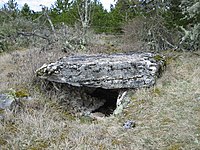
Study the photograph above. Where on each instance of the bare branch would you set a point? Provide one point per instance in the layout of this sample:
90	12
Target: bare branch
33	34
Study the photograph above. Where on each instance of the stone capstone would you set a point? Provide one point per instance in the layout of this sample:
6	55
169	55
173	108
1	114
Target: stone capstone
117	71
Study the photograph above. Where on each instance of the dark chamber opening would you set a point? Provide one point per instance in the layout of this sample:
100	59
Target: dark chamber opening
68	93
111	99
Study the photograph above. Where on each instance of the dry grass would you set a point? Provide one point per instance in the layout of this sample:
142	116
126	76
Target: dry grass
18	67
167	116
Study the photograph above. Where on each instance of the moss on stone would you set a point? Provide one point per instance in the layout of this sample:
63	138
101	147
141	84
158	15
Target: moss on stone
21	93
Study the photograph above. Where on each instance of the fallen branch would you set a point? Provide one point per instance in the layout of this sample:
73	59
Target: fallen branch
34	34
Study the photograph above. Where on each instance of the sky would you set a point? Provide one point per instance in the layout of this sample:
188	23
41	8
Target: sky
35	4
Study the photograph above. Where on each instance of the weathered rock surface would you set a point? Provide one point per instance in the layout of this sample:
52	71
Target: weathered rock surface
117	71
5	101
98	83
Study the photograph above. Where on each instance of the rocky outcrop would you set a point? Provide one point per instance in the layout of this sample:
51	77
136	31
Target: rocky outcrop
118	71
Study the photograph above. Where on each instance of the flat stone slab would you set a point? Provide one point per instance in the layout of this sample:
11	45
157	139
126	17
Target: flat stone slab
116	71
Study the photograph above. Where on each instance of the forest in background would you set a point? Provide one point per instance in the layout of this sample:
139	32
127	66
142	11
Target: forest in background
157	24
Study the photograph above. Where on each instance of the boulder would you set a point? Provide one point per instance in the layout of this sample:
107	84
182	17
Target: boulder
117	71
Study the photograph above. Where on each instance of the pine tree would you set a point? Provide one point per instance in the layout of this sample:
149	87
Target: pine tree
25	11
